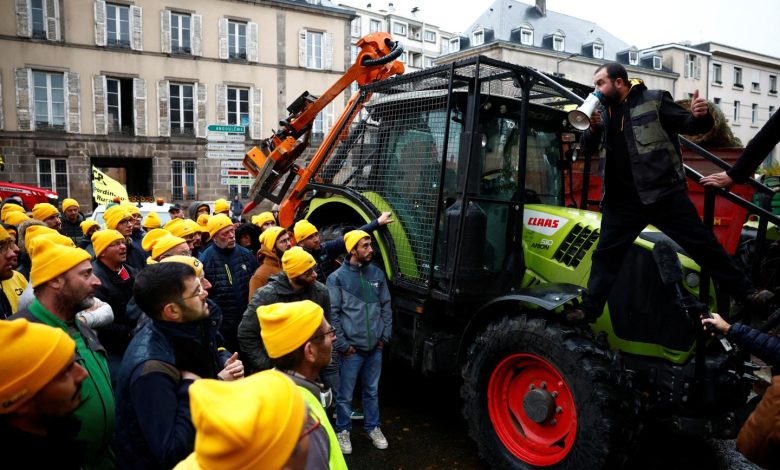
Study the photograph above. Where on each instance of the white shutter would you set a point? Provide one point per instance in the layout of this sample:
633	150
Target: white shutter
165	27
697	72
164	115
256	107
72	85
327	51
100	104
253	34
24	18
139	106
328	117
201	96
100	23
53	20
302	47
196	34
221	94
136	28
223	38
24	100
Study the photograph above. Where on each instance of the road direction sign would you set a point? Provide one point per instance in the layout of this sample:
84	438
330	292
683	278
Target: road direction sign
231	164
235	173
221	128
230	147
224	154
241	181
224	137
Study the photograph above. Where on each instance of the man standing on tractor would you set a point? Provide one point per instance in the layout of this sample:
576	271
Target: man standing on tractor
644	183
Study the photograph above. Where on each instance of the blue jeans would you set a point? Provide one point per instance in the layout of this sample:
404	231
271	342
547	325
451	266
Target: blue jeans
367	366
329	376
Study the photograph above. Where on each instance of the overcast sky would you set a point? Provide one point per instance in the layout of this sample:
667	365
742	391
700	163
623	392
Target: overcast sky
746	24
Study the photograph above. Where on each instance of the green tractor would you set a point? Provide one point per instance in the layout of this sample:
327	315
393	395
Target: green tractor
472	159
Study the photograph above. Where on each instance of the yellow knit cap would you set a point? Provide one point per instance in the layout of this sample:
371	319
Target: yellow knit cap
131	208
351	238
303	229
203	221
88	224
218	222
188	260
102	239
297	261
263	218
152	220
4	234
194	227
159	240
36	231
44	210
68	203
115	214
49	259
261	433
284	327
8	208
221	206
15	218
33	354
269	237
179	228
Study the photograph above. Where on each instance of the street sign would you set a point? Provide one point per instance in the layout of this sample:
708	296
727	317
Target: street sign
241	181
220	128
231	164
224	154
226	147
235	173
224	137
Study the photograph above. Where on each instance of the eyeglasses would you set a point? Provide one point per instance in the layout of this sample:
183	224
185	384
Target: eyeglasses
198	292
330	332
312	423
125	222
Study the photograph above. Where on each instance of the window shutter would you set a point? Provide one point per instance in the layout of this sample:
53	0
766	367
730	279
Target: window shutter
164	117
687	68
221	93
72	85
252	53
201	96
197	35
698	68
329	115
327	51
136	28
53	20
24	18
165	24
256	103
99	102
302	47
24	99
223	38
100	23
139	106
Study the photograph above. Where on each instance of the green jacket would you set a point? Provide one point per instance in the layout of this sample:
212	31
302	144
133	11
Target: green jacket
96	412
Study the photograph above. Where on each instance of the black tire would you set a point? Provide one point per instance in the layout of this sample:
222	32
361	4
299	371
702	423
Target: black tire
513	352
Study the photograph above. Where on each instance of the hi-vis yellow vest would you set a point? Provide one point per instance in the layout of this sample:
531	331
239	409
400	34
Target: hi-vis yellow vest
336	460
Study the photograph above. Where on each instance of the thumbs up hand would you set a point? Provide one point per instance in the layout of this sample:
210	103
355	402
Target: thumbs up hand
698	105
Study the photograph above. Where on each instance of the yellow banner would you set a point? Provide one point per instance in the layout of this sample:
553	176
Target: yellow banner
105	188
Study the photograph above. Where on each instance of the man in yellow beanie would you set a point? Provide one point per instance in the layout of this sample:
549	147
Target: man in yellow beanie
119	218
221	206
260	422
152	221
297	282
47	214
38	393
64	285
273	243
363	319
264	220
299	341
308	237
178	346
9	206
72	219
12	282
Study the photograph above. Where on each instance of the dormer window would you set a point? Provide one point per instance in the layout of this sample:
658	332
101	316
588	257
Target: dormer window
657	62
526	36
558	42
598	50
478	37
633	58
455	44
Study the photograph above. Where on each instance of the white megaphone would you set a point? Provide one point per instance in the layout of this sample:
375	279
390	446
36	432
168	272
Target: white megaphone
580	117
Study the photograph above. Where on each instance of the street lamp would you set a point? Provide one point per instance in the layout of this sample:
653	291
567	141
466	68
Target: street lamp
558	63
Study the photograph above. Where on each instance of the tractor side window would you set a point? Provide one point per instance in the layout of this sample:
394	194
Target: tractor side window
543	178
500	156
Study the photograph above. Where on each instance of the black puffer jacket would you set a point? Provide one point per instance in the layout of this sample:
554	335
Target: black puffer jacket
73	229
117	293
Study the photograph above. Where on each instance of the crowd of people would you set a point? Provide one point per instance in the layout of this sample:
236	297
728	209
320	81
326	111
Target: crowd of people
130	344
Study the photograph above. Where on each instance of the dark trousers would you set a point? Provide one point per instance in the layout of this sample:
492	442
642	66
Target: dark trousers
676	216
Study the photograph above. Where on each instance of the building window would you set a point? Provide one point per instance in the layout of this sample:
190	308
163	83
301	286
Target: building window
427	62
399	28
355	27
415	59
238	106
323	122
755	82
374	26
236	40
455	44
53	174
180	33
598	51
716	101
738	77
478	38
183	177
692	62
119	105
117	25
49	97
736	112
717	74
430	36
38	8
633	58
754	114
415	32
773	84
444	46
314	50
657	64
181	109
558	43
240	190
354	53
527	36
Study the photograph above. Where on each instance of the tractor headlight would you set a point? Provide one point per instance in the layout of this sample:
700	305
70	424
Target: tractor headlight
692	280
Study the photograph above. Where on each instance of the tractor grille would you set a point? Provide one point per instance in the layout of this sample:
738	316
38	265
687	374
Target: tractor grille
576	245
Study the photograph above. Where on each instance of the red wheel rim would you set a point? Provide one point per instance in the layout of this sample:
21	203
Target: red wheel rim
536	443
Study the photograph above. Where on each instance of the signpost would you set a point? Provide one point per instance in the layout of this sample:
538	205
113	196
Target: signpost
225	142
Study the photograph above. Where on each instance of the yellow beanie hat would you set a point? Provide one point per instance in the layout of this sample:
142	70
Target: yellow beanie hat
4	235
218	222
88	224
68	203
297	261
50	259
159	240
33	354
180	228
203	220
35	231
194	227
131	208
115	214
188	260
351	238
303	229
152	220
8	208
263	218
103	238
269	237
284	327
260	433
44	210
15	218
221	206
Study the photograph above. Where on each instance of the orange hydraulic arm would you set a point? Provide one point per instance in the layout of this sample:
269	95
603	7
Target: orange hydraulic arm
275	157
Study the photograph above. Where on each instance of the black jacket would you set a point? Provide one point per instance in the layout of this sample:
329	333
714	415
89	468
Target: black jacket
757	150
73	229
330	251
59	449
117	293
136	256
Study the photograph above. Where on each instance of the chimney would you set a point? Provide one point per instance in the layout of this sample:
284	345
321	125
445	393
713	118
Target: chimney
390	7
541	7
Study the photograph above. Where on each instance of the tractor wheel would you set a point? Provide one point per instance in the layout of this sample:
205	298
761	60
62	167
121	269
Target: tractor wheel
538	394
